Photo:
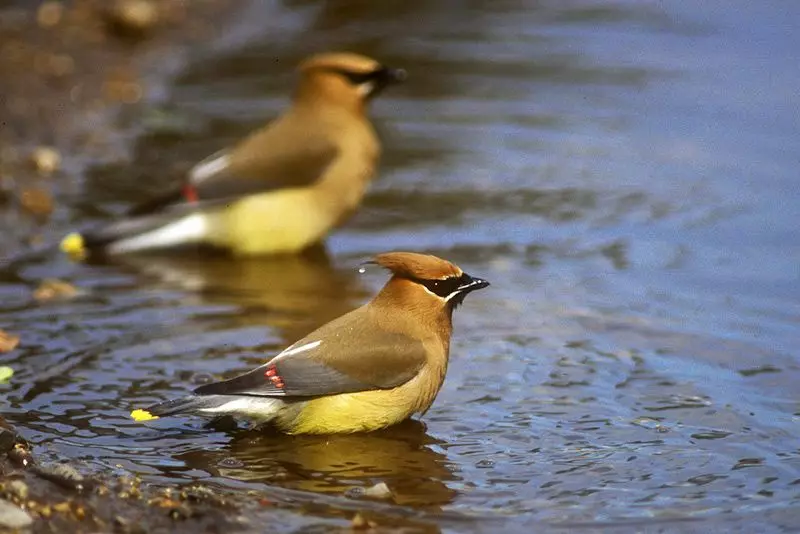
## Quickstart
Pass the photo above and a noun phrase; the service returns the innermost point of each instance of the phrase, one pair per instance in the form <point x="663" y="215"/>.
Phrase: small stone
<point x="20" y="455"/>
<point x="12" y="517"/>
<point x="46" y="159"/>
<point x="60" y="65"/>
<point x="8" y="342"/>
<point x="62" y="507"/>
<point x="359" y="522"/>
<point x="133" y="18"/>
<point x="49" y="14"/>
<point x="37" y="201"/>
<point x="7" y="440"/>
<point x="229" y="462"/>
<point x="52" y="288"/>
<point x="198" y="493"/>
<point x="164" y="502"/>
<point x="64" y="475"/>
<point x="18" y="489"/>
<point x="180" y="513"/>
<point x="379" y="491"/>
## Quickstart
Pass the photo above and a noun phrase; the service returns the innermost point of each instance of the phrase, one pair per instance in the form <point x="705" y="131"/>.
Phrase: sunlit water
<point x="623" y="173"/>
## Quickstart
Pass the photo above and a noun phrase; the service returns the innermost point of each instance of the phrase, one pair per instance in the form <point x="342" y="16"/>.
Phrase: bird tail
<point x="254" y="408"/>
<point x="171" y="228"/>
<point x="187" y="405"/>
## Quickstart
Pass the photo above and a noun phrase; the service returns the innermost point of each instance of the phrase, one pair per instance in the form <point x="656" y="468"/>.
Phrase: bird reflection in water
<point x="294" y="294"/>
<point x="401" y="456"/>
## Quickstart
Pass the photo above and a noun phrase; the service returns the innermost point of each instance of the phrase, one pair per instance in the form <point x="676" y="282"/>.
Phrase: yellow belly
<point x="285" y="221"/>
<point x="351" y="412"/>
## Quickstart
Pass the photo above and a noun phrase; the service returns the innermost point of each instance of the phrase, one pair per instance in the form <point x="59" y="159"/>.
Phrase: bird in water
<point x="366" y="370"/>
<point x="283" y="188"/>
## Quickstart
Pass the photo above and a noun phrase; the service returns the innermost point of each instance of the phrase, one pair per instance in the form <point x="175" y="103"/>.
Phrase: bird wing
<point x="289" y="153"/>
<point x="348" y="359"/>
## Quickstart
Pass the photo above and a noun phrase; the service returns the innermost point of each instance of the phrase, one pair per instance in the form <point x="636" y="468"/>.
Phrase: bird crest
<point x="416" y="266"/>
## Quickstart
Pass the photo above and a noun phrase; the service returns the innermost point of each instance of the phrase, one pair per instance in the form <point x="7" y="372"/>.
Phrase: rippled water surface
<point x="625" y="174"/>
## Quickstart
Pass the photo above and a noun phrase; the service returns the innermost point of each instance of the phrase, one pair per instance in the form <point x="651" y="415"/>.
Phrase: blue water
<point x="622" y="172"/>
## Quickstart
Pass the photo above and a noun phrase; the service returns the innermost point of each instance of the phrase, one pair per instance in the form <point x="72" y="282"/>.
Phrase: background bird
<point x="368" y="369"/>
<point x="280" y="190"/>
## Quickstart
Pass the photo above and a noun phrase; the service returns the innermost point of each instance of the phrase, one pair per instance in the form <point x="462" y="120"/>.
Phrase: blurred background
<point x="624" y="173"/>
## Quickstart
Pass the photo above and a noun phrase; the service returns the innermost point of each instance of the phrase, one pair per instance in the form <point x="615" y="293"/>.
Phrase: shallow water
<point x="624" y="175"/>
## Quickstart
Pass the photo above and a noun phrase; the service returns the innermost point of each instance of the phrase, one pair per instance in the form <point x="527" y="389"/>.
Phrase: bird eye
<point x="357" y="78"/>
<point x="442" y="288"/>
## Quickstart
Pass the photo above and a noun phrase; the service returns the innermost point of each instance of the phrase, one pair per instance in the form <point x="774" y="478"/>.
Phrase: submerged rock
<point x="12" y="517"/>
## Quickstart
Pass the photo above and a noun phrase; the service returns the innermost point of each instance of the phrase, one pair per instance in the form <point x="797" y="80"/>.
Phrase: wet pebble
<point x="652" y="424"/>
<point x="20" y="455"/>
<point x="64" y="475"/>
<point x="46" y="159"/>
<point x="230" y="463"/>
<point x="49" y="14"/>
<point x="52" y="288"/>
<point x="7" y="440"/>
<point x="379" y="491"/>
<point x="133" y="18"/>
<point x="180" y="513"/>
<point x="8" y="342"/>
<point x="37" y="201"/>
<point x="12" y="517"/>
<point x="127" y="526"/>
<point x="198" y="493"/>
<point x="18" y="489"/>
<point x="359" y="522"/>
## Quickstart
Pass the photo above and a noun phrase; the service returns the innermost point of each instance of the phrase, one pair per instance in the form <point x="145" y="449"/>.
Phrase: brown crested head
<point x="346" y="78"/>
<point x="413" y="265"/>
<point x="440" y="278"/>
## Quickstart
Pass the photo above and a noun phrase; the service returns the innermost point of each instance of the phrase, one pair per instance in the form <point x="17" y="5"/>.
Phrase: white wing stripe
<point x="206" y="169"/>
<point x="302" y="348"/>
<point x="190" y="229"/>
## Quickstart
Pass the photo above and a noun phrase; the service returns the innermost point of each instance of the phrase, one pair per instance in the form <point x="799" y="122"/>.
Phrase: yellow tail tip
<point x="142" y="415"/>
<point x="73" y="246"/>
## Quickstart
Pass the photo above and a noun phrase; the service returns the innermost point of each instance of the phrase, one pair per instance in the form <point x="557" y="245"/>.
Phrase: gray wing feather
<point x="341" y="363"/>
<point x="280" y="157"/>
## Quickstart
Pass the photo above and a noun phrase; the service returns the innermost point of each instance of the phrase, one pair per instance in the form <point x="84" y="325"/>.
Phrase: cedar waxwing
<point x="366" y="370"/>
<point x="279" y="190"/>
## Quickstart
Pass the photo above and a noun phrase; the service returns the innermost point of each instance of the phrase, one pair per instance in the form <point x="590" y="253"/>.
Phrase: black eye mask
<point x="442" y="288"/>
<point x="381" y="77"/>
<point x="447" y="287"/>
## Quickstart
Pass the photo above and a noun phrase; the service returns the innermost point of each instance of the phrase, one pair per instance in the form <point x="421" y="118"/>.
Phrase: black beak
<point x="470" y="283"/>
<point x="391" y="76"/>
<point x="466" y="284"/>
<point x="386" y="76"/>
<point x="378" y="78"/>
